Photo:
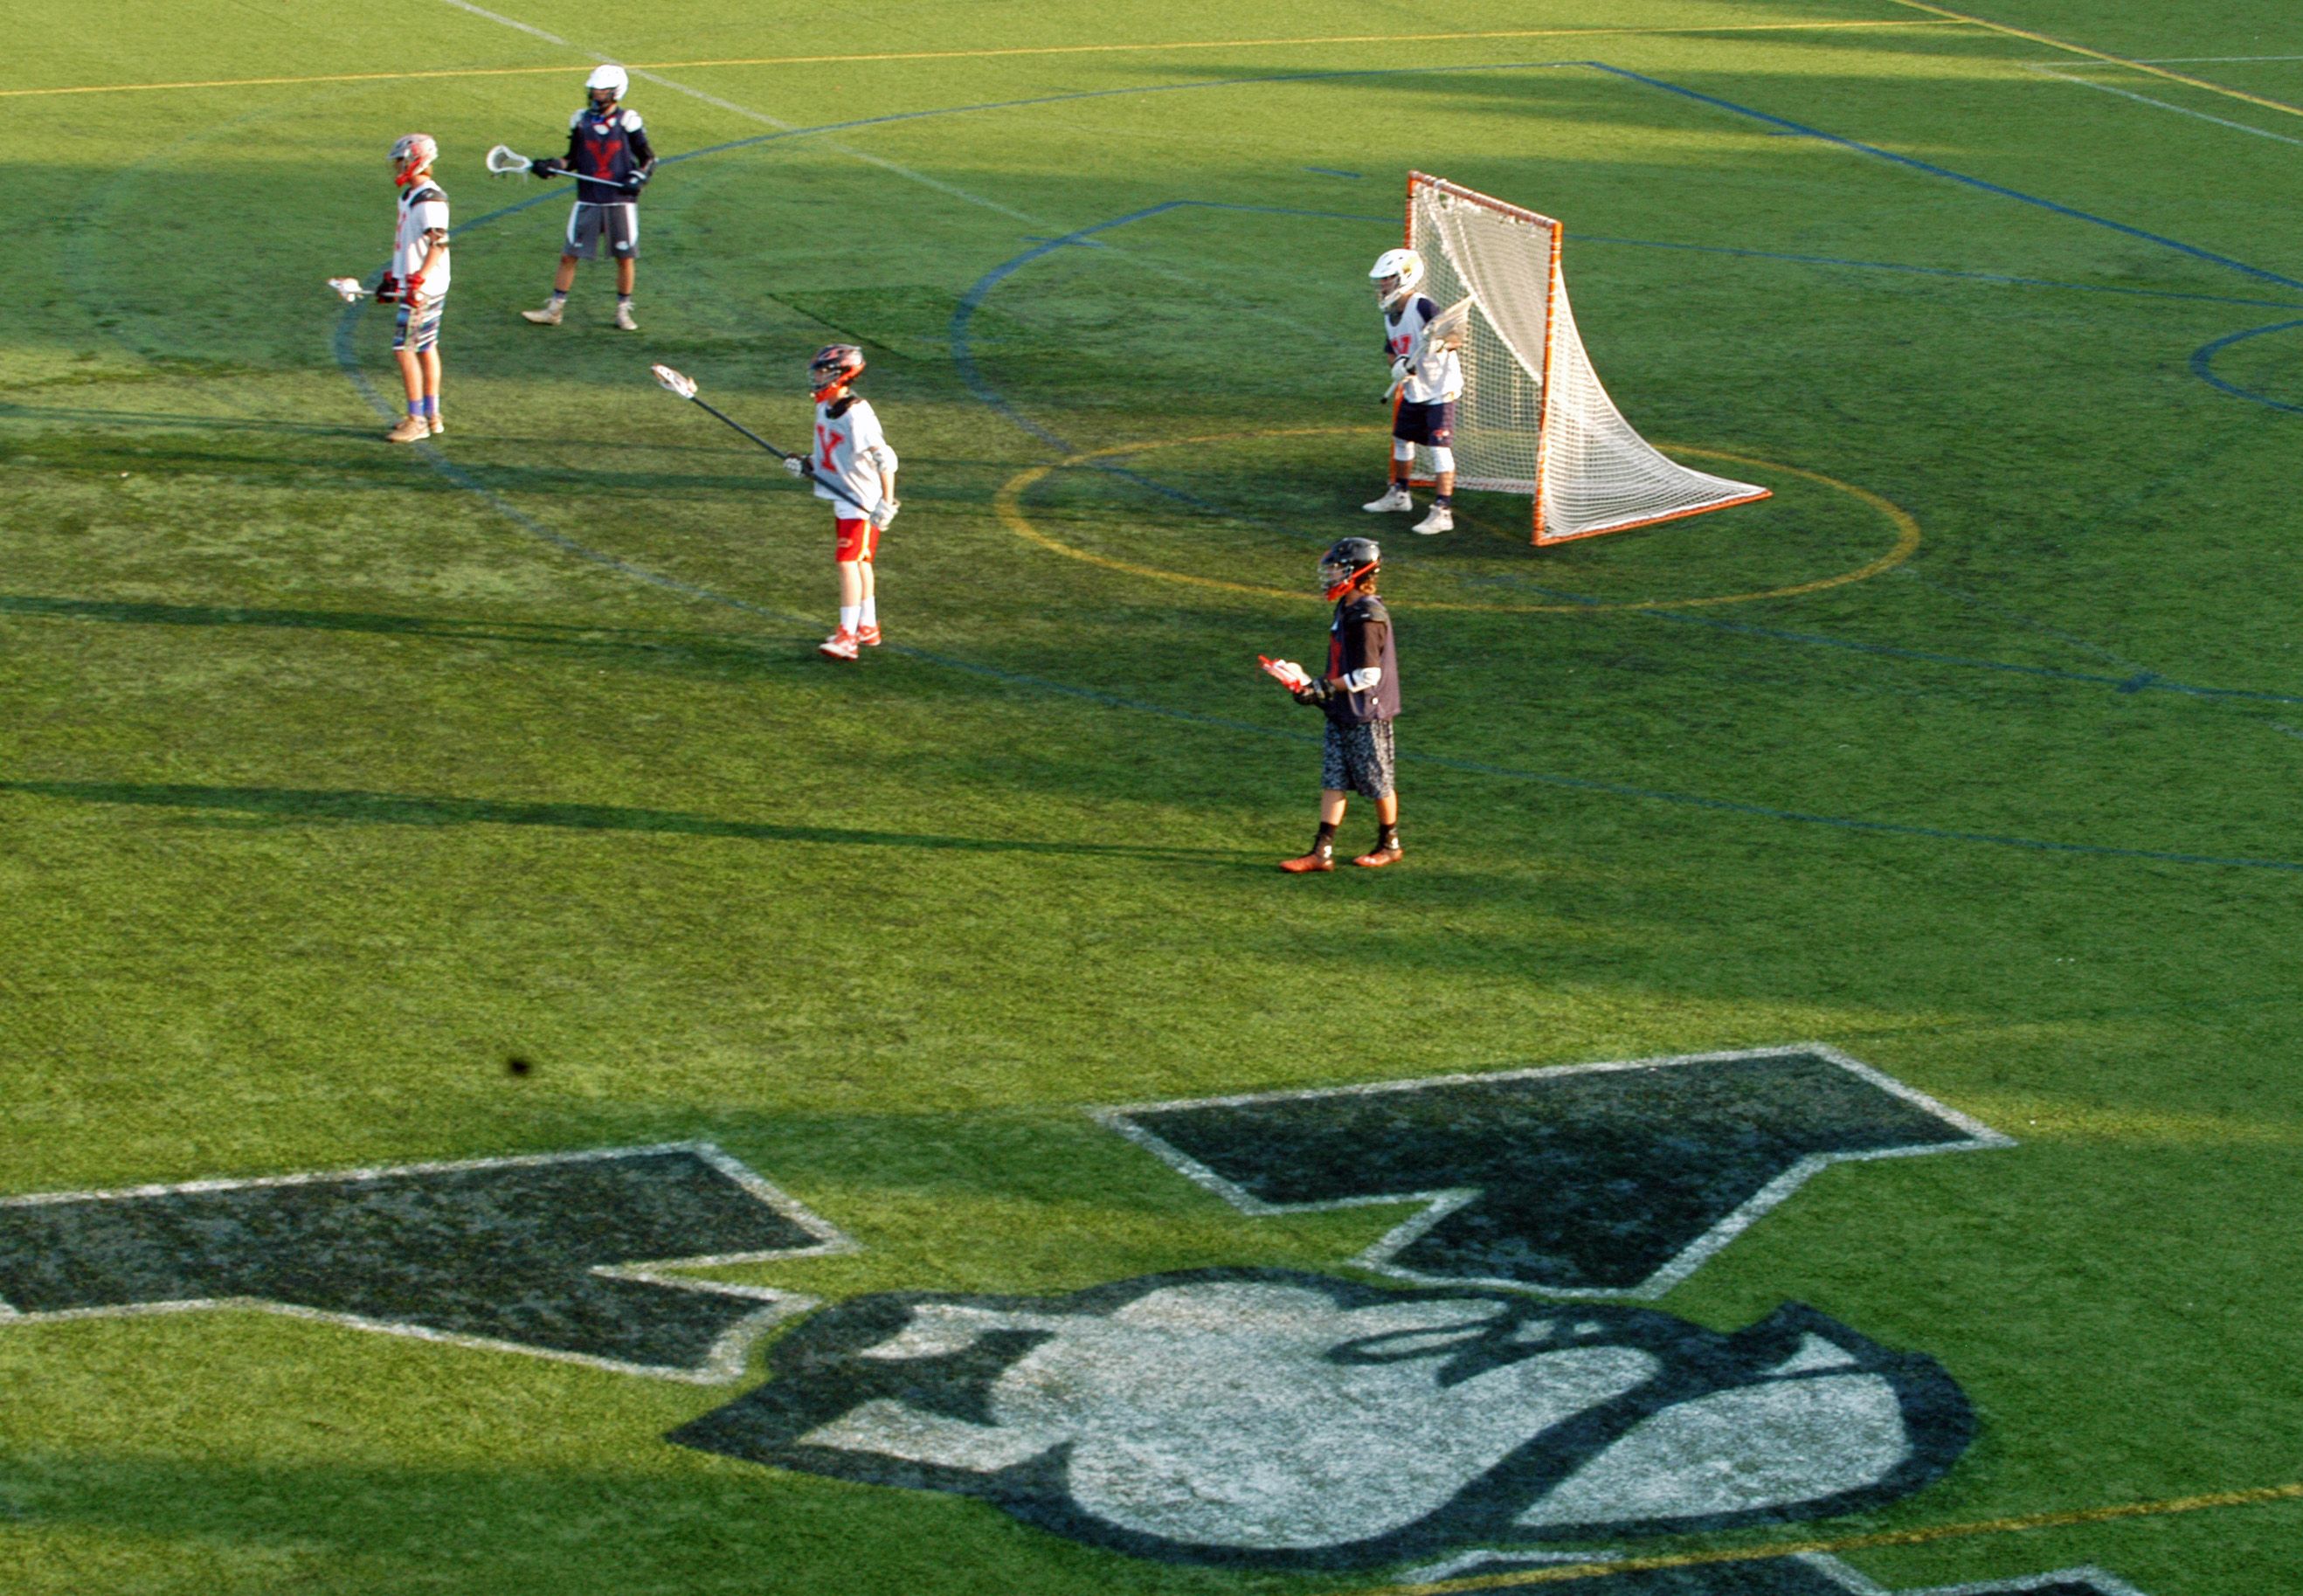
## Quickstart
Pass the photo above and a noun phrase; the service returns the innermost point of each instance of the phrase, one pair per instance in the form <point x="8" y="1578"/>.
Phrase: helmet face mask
<point x="1349" y="563"/>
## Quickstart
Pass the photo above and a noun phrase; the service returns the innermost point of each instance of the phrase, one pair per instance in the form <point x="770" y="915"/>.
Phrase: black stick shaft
<point x="838" y="490"/>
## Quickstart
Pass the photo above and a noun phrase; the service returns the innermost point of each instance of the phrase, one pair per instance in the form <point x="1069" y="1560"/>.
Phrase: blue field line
<point x="2203" y="366"/>
<point x="463" y="479"/>
<point x="1924" y="271"/>
<point x="963" y="358"/>
<point x="2259" y="273"/>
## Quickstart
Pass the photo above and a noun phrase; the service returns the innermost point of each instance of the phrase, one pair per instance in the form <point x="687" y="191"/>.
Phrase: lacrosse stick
<point x="1443" y="331"/>
<point x="503" y="161"/>
<point x="347" y="288"/>
<point x="673" y="381"/>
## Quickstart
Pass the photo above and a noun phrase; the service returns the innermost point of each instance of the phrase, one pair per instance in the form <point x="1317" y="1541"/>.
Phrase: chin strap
<point x="1350" y="582"/>
<point x="824" y="395"/>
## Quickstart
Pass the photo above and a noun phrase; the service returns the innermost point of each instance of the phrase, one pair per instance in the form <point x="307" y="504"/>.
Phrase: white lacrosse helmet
<point x="1396" y="273"/>
<point x="610" y="77"/>
<point x="415" y="151"/>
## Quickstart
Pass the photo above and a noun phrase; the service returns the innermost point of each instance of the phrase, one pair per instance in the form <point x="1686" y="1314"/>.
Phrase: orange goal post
<point x="1533" y="418"/>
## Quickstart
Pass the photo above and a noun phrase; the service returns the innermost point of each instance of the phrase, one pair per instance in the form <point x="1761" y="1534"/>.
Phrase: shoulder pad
<point x="631" y="122"/>
<point x="575" y="120"/>
<point x="428" y="191"/>
<point x="1425" y="307"/>
<point x="1366" y="606"/>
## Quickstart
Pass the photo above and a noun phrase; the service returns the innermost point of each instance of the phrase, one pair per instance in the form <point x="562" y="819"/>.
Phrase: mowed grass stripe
<point x="1099" y="49"/>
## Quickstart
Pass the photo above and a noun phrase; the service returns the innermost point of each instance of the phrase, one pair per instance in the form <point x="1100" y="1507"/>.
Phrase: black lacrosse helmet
<point x="1343" y="567"/>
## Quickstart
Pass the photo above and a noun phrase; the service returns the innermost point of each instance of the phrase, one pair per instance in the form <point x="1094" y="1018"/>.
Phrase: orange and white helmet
<point x="413" y="153"/>
<point x="1396" y="273"/>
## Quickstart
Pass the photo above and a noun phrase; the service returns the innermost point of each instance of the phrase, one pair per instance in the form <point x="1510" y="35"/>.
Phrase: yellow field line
<point x="1008" y="502"/>
<point x="2139" y="66"/>
<point x="1191" y="44"/>
<point x="1560" y="1574"/>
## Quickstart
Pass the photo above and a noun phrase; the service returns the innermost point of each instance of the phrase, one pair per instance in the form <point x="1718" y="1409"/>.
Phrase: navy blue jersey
<point x="605" y="153"/>
<point x="1359" y="636"/>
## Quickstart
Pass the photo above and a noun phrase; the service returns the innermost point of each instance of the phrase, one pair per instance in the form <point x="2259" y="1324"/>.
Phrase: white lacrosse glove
<point x="1399" y="371"/>
<point x="1287" y="674"/>
<point x="796" y="464"/>
<point x="885" y="513"/>
<point x="347" y="289"/>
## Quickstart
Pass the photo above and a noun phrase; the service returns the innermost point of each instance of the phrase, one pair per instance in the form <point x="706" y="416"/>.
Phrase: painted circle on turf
<point x="2203" y="367"/>
<point x="1010" y="504"/>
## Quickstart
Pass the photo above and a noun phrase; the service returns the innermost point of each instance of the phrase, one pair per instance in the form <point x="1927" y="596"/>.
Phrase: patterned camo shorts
<point x="1357" y="759"/>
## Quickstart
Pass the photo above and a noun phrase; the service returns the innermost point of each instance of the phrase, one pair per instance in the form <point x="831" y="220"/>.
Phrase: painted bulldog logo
<point x="1269" y="1418"/>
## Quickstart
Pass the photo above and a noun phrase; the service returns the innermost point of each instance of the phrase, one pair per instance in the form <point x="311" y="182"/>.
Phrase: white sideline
<point x="2044" y="70"/>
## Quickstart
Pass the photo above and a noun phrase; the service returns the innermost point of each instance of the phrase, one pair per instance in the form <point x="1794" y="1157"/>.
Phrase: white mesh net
<point x="1588" y="471"/>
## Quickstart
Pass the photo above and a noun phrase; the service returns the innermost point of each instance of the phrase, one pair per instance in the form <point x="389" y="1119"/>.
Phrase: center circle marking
<point x="1010" y="504"/>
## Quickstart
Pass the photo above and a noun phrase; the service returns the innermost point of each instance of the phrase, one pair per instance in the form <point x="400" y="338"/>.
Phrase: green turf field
<point x="486" y="800"/>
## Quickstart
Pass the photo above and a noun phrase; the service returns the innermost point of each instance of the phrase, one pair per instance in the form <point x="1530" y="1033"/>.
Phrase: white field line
<point x="2044" y="70"/>
<point x="762" y="117"/>
<point x="1050" y="228"/>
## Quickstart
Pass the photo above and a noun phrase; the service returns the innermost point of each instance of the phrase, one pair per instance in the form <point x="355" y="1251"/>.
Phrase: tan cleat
<point x="1376" y="858"/>
<point x="438" y="426"/>
<point x="549" y="317"/>
<point x="624" y="319"/>
<point x="412" y="429"/>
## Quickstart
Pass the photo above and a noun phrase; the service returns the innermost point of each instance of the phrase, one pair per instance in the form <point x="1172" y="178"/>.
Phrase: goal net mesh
<point x="1571" y="448"/>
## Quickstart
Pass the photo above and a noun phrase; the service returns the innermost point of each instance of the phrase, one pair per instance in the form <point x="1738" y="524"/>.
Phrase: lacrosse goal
<point x="1533" y="418"/>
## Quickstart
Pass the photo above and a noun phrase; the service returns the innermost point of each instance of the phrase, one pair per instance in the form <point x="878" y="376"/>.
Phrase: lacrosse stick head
<point x="503" y="160"/>
<point x="673" y="382"/>
<point x="347" y="288"/>
<point x="1445" y="330"/>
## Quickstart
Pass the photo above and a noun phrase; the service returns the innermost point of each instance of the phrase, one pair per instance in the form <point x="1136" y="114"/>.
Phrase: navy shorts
<point x="1432" y="425"/>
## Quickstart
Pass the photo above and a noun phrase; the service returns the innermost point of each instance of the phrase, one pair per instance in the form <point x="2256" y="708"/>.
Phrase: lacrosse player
<point x="1429" y="379"/>
<point x="851" y="450"/>
<point x="1360" y="692"/>
<point x="419" y="280"/>
<point x="609" y="159"/>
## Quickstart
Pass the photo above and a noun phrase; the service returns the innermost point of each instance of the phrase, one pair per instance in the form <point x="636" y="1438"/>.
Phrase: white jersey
<point x="1439" y="376"/>
<point x="423" y="208"/>
<point x="852" y="451"/>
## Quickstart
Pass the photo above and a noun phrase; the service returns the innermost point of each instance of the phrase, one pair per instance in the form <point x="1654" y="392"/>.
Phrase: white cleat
<point x="624" y="319"/>
<point x="549" y="317"/>
<point x="1441" y="519"/>
<point x="1395" y="497"/>
<point x="839" y="645"/>
<point x="438" y="426"/>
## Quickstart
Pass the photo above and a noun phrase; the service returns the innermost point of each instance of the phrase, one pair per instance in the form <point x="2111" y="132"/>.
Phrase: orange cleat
<point x="1304" y="864"/>
<point x="1380" y="857"/>
<point x="839" y="645"/>
<point x="867" y="636"/>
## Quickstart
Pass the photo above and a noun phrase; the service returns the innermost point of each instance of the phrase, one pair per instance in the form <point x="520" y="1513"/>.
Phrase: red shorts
<point x="858" y="541"/>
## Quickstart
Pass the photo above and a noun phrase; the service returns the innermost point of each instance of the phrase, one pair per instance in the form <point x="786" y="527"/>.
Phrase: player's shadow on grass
<point x="724" y="655"/>
<point x="291" y="805"/>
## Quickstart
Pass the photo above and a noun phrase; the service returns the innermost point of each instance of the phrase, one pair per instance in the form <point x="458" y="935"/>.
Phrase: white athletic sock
<point x="870" y="612"/>
<point x="847" y="613"/>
